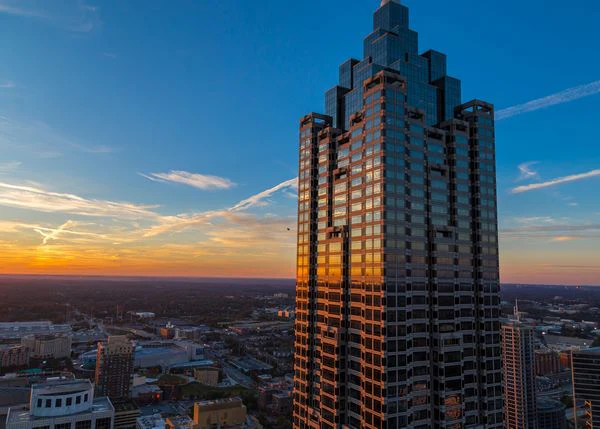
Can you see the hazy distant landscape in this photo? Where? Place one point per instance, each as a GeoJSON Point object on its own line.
{"type": "Point", "coordinates": [200, 300]}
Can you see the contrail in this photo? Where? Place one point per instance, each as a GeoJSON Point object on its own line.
{"type": "Point", "coordinates": [565, 96]}
{"type": "Point", "coordinates": [558, 181]}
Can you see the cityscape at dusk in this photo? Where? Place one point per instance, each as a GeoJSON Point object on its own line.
{"type": "Point", "coordinates": [372, 214]}
{"type": "Point", "coordinates": [140, 140]}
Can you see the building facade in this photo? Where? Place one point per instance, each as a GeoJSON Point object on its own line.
{"type": "Point", "coordinates": [585, 369]}
{"type": "Point", "coordinates": [56, 346]}
{"type": "Point", "coordinates": [518, 363]}
{"type": "Point", "coordinates": [114, 368]}
{"type": "Point", "coordinates": [13, 356]}
{"type": "Point", "coordinates": [397, 293]}
{"type": "Point", "coordinates": [547, 362]}
{"type": "Point", "coordinates": [551, 415]}
{"type": "Point", "coordinates": [63, 405]}
{"type": "Point", "coordinates": [222, 413]}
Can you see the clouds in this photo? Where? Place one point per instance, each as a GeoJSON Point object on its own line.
{"type": "Point", "coordinates": [259, 199]}
{"type": "Point", "coordinates": [552, 230]}
{"type": "Point", "coordinates": [8, 84]}
{"type": "Point", "coordinates": [181, 222]}
{"type": "Point", "coordinates": [123, 237]}
{"type": "Point", "coordinates": [200, 181]}
{"type": "Point", "coordinates": [38, 199]}
{"type": "Point", "coordinates": [561, 97]}
{"type": "Point", "coordinates": [70, 15]}
{"type": "Point", "coordinates": [8, 167]}
{"type": "Point", "coordinates": [555, 182]}
{"type": "Point", "coordinates": [41, 139]}
{"type": "Point", "coordinates": [526, 172]}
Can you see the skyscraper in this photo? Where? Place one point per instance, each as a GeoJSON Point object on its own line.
{"type": "Point", "coordinates": [114, 368]}
{"type": "Point", "coordinates": [518, 362]}
{"type": "Point", "coordinates": [585, 369]}
{"type": "Point", "coordinates": [397, 315]}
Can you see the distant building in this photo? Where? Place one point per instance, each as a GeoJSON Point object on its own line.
{"type": "Point", "coordinates": [208, 376]}
{"type": "Point", "coordinates": [179, 422]}
{"type": "Point", "coordinates": [144, 315]}
{"type": "Point", "coordinates": [224, 413]}
{"type": "Point", "coordinates": [18, 330]}
{"type": "Point", "coordinates": [126, 414]}
{"type": "Point", "coordinates": [551, 414]}
{"type": "Point", "coordinates": [146, 394]}
{"type": "Point", "coordinates": [47, 346]}
{"type": "Point", "coordinates": [281, 402]}
{"type": "Point", "coordinates": [114, 368]}
{"type": "Point", "coordinates": [547, 362]}
{"type": "Point", "coordinates": [63, 405]}
{"type": "Point", "coordinates": [155, 421]}
{"type": "Point", "coordinates": [194, 333]}
{"type": "Point", "coordinates": [14, 355]}
{"type": "Point", "coordinates": [519, 377]}
{"type": "Point", "coordinates": [163, 353]}
{"type": "Point", "coordinates": [585, 369]}
{"type": "Point", "coordinates": [168, 331]}
{"type": "Point", "coordinates": [565, 359]}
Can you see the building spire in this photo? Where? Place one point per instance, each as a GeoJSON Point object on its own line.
{"type": "Point", "coordinates": [384, 2]}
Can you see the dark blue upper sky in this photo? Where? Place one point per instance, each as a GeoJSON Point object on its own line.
{"type": "Point", "coordinates": [92, 94]}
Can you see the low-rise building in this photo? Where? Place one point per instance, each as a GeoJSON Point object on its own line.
{"type": "Point", "coordinates": [18, 330]}
{"type": "Point", "coordinates": [227, 413]}
{"type": "Point", "coordinates": [155, 421]}
{"type": "Point", "coordinates": [48, 346]}
{"type": "Point", "coordinates": [179, 422]}
{"type": "Point", "coordinates": [63, 405]}
{"type": "Point", "coordinates": [13, 356]}
{"type": "Point", "coordinates": [146, 394]}
{"type": "Point", "coordinates": [208, 376]}
{"type": "Point", "coordinates": [126, 415]}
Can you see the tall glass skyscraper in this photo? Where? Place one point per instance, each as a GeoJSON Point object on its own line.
{"type": "Point", "coordinates": [397, 317]}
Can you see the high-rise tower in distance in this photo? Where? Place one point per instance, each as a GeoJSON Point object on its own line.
{"type": "Point", "coordinates": [114, 368]}
{"type": "Point", "coordinates": [518, 364]}
{"type": "Point", "coordinates": [397, 308]}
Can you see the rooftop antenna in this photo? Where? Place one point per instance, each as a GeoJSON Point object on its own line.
{"type": "Point", "coordinates": [516, 310]}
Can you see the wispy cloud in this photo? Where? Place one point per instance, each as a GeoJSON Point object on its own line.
{"type": "Point", "coordinates": [7, 167]}
{"type": "Point", "coordinates": [71, 15]}
{"type": "Point", "coordinates": [68, 232]}
{"type": "Point", "coordinates": [13, 8]}
{"type": "Point", "coordinates": [110, 55]}
{"type": "Point", "coordinates": [561, 97]}
{"type": "Point", "coordinates": [259, 199]}
{"type": "Point", "coordinates": [564, 238]}
{"type": "Point", "coordinates": [526, 172]}
{"type": "Point", "coordinates": [557, 181]}
{"type": "Point", "coordinates": [200, 181]}
{"type": "Point", "coordinates": [38, 199]}
{"type": "Point", "coordinates": [42, 139]}
{"type": "Point", "coordinates": [183, 221]}
{"type": "Point", "coordinates": [8, 84]}
{"type": "Point", "coordinates": [551, 230]}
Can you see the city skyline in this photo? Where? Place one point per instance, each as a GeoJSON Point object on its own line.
{"type": "Point", "coordinates": [171, 188]}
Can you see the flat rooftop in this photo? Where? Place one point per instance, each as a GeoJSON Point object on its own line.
{"type": "Point", "coordinates": [590, 350]}
{"type": "Point", "coordinates": [219, 404]}
{"type": "Point", "coordinates": [56, 388]}
{"type": "Point", "coordinates": [23, 416]}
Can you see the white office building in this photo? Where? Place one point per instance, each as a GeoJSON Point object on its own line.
{"type": "Point", "coordinates": [63, 405]}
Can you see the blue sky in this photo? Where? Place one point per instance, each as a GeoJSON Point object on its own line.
{"type": "Point", "coordinates": [98, 98]}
